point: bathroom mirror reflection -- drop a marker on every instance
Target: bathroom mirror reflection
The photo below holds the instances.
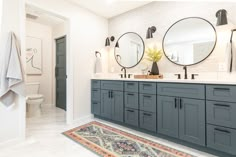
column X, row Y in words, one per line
column 189, row 41
column 129, row 50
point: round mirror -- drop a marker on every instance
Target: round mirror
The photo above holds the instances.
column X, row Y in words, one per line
column 129, row 50
column 189, row 41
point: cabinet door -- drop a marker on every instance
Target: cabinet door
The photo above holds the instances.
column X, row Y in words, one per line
column 167, row 116
column 117, row 106
column 96, row 108
column 131, row 100
column 106, row 104
column 148, row 121
column 192, row 120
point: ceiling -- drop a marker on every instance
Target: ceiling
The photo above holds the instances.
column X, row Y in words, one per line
column 42, row 16
column 110, row 8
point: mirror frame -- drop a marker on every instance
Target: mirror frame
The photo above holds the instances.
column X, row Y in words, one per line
column 119, row 45
column 180, row 21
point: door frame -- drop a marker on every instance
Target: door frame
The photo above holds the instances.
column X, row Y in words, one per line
column 69, row 67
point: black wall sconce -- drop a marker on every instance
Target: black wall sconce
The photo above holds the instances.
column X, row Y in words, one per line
column 221, row 17
column 108, row 39
column 150, row 32
column 117, row 45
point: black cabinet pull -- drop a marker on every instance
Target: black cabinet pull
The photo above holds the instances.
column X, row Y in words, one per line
column 130, row 110
column 109, row 94
column 222, row 89
column 147, row 96
column 147, row 114
column 175, row 102
column 221, row 130
column 222, row 105
column 130, row 94
column 180, row 103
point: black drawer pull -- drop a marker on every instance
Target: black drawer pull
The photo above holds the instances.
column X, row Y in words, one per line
column 221, row 130
column 95, row 103
column 130, row 110
column 147, row 114
column 95, row 90
column 130, row 94
column 147, row 96
column 222, row 105
column 222, row 89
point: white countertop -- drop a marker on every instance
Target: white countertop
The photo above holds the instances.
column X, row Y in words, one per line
column 197, row 81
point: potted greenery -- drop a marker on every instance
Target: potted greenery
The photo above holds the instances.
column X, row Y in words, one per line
column 154, row 55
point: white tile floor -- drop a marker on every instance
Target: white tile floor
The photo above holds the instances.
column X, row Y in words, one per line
column 44, row 138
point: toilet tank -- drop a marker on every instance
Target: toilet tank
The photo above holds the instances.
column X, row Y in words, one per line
column 32, row 88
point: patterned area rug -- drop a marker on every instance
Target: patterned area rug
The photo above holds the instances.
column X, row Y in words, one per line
column 107, row 141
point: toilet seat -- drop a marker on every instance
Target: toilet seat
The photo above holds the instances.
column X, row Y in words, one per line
column 35, row 96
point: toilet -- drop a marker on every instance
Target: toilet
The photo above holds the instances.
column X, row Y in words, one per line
column 34, row 100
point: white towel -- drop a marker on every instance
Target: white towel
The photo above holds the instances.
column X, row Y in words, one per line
column 98, row 65
column 11, row 77
column 228, row 56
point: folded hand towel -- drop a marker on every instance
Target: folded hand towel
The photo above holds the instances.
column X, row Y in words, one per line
column 11, row 77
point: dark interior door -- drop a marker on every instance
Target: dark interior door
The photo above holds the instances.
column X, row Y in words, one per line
column 61, row 73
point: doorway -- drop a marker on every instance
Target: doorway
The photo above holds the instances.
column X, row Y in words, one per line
column 60, row 72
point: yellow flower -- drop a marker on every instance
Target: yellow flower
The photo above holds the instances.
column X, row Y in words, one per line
column 153, row 54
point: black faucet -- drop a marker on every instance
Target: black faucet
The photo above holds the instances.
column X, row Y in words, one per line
column 124, row 71
column 185, row 72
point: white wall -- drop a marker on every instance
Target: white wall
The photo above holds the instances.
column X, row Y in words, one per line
column 87, row 33
column 12, row 121
column 163, row 15
column 44, row 33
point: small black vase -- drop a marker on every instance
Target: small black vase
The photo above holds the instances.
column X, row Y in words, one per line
column 154, row 70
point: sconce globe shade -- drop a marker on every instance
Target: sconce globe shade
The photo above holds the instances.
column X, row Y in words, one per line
column 221, row 17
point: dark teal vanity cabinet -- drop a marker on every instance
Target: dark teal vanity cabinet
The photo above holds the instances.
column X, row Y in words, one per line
column 112, row 106
column 221, row 118
column 181, row 111
column 201, row 115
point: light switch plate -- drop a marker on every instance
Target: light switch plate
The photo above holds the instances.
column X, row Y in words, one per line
column 222, row 67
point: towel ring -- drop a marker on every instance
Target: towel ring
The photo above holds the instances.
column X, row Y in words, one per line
column 118, row 56
column 96, row 52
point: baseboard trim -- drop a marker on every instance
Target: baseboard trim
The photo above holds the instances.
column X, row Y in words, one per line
column 84, row 119
column 11, row 142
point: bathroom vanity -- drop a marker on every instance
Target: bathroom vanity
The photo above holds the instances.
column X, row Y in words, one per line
column 197, row 113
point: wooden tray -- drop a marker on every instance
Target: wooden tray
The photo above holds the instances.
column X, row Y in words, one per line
column 148, row 76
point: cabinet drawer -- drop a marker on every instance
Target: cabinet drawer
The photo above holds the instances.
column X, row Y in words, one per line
column 148, row 121
column 222, row 139
column 96, row 94
column 96, row 84
column 181, row 90
column 112, row 85
column 221, row 113
column 147, row 102
column 147, row 88
column 131, row 117
column 131, row 100
column 131, row 86
column 96, row 108
column 221, row 93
